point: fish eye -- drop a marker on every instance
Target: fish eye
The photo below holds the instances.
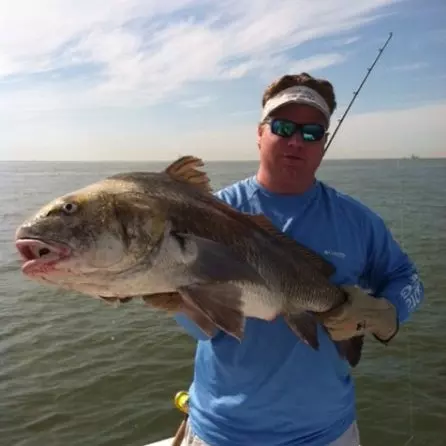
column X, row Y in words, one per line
column 69, row 208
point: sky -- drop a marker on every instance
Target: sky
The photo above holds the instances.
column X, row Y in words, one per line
column 150, row 80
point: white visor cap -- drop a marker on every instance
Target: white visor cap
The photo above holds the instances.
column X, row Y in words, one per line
column 298, row 94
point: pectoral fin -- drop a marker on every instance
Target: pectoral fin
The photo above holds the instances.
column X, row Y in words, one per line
column 218, row 303
column 211, row 261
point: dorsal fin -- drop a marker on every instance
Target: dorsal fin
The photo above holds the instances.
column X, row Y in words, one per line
column 302, row 251
column 184, row 170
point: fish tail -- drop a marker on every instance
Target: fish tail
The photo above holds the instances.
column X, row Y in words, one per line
column 304, row 325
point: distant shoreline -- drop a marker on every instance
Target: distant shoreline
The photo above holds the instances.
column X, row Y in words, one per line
column 408, row 158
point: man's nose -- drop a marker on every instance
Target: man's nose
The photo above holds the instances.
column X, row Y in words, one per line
column 296, row 140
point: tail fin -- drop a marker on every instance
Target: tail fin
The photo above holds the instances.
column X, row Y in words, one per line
column 305, row 327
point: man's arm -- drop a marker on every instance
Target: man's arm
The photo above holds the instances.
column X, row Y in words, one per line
column 390, row 272
column 396, row 290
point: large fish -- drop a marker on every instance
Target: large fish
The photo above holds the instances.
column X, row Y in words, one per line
column 165, row 237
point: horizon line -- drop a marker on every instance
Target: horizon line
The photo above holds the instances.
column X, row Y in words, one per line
column 250, row 160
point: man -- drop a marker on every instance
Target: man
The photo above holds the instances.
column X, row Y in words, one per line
column 272, row 389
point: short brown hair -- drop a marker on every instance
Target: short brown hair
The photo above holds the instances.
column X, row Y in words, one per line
column 322, row 86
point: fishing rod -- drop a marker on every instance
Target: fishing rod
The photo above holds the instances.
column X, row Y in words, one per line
column 355, row 93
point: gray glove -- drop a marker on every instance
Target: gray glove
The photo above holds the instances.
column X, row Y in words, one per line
column 361, row 314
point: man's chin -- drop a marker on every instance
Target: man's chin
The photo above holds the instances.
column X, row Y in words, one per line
column 292, row 162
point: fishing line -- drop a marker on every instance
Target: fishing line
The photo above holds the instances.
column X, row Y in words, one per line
column 408, row 345
column 355, row 93
column 401, row 229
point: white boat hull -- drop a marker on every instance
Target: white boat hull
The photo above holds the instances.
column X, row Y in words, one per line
column 166, row 442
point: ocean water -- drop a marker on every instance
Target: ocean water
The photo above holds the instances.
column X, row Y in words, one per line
column 74, row 371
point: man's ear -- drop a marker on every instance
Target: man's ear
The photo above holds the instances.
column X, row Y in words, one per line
column 260, row 130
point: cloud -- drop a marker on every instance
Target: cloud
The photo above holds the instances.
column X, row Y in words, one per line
column 197, row 102
column 366, row 135
column 351, row 40
column 345, row 41
column 35, row 35
column 317, row 62
column 139, row 52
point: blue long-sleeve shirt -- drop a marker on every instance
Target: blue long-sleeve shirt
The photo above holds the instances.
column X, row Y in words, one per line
column 271, row 389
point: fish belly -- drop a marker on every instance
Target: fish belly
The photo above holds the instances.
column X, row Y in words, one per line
column 256, row 304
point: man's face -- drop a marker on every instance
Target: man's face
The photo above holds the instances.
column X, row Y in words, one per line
column 291, row 157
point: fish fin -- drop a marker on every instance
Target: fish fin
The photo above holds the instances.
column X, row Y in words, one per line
column 304, row 325
column 124, row 300
column 212, row 261
column 200, row 318
column 220, row 303
column 184, row 170
column 351, row 349
column 311, row 256
column 171, row 302
column 115, row 301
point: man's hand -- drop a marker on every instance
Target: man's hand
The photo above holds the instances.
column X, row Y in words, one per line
column 361, row 314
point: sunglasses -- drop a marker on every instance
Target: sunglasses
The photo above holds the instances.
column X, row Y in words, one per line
column 286, row 129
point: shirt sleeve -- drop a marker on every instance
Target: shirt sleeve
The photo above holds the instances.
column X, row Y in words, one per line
column 389, row 271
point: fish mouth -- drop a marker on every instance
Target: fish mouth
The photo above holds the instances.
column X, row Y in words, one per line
column 40, row 256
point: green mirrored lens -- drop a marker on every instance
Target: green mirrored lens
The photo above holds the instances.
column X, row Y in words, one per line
column 312, row 132
column 286, row 129
column 283, row 128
